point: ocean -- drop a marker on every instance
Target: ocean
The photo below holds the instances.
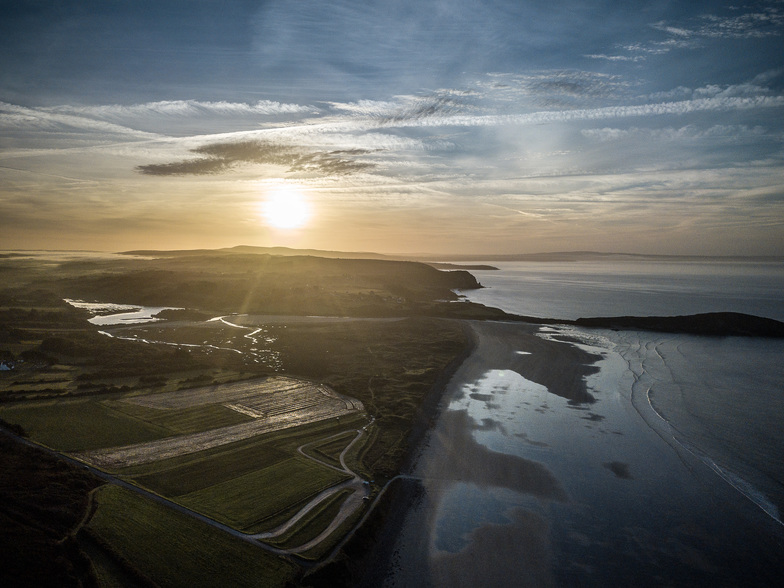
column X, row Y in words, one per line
column 667, row 470
column 571, row 290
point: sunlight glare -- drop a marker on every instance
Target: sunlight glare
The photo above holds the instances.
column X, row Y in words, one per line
column 286, row 208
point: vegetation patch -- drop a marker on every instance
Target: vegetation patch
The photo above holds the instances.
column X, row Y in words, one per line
column 328, row 544
column 42, row 499
column 173, row 549
column 80, row 425
column 313, row 524
column 248, row 502
column 185, row 421
column 330, row 451
column 210, row 470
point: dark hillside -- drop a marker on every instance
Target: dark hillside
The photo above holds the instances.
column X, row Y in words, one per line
column 246, row 283
column 716, row 324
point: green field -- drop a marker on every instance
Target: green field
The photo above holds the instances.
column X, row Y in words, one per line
column 313, row 524
column 329, row 452
column 250, row 502
column 185, row 420
column 203, row 472
column 176, row 550
column 188, row 473
column 80, row 425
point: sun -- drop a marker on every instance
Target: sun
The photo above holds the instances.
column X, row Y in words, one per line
column 286, row 208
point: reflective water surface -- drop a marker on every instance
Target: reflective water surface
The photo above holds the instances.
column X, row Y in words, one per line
column 570, row 290
column 525, row 486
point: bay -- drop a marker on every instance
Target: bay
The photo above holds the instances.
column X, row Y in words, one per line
column 664, row 470
column 572, row 290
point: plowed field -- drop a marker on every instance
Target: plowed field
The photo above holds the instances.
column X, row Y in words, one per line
column 274, row 404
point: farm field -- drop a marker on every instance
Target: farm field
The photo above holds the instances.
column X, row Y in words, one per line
column 249, row 502
column 228, row 451
column 274, row 425
column 133, row 526
column 268, row 405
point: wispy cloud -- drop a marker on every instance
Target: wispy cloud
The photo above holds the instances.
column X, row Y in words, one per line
column 752, row 23
column 717, row 133
column 715, row 104
column 614, row 57
column 766, row 21
column 220, row 157
column 14, row 117
column 183, row 108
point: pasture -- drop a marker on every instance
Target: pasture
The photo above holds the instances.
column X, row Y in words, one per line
column 177, row 550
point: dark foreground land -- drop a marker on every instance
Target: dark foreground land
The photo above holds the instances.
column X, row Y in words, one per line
column 65, row 384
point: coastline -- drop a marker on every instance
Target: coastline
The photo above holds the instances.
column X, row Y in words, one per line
column 352, row 562
column 618, row 466
column 407, row 494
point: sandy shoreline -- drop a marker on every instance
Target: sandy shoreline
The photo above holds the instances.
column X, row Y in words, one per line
column 559, row 365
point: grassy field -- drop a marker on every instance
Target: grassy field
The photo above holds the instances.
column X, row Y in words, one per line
column 175, row 550
column 80, row 424
column 250, row 501
column 183, row 421
column 42, row 499
column 319, row 551
column 329, row 452
column 314, row 523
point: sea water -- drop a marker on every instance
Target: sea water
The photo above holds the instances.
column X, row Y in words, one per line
column 571, row 290
column 673, row 476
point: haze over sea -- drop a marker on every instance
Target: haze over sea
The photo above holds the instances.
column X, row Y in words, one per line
column 571, row 290
column 669, row 472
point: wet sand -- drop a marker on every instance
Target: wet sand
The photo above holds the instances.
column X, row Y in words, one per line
column 539, row 471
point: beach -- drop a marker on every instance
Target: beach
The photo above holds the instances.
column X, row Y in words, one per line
column 540, row 470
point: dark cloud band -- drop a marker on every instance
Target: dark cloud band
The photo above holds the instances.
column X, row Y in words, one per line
column 222, row 157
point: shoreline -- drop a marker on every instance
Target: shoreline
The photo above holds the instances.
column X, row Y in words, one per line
column 406, row 493
column 556, row 482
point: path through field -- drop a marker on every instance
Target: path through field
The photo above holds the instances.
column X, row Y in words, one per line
column 352, row 503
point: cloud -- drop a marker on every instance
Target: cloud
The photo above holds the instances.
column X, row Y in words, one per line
column 755, row 87
column 756, row 24
column 32, row 119
column 558, row 82
column 765, row 22
column 614, row 57
column 715, row 104
column 222, row 157
column 675, row 31
column 197, row 167
column 715, row 133
column 369, row 108
column 185, row 108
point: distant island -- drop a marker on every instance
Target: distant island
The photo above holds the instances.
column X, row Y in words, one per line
column 711, row 324
column 460, row 260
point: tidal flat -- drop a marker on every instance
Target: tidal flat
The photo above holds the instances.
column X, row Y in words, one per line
column 541, row 470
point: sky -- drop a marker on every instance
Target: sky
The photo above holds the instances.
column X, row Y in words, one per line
column 395, row 126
